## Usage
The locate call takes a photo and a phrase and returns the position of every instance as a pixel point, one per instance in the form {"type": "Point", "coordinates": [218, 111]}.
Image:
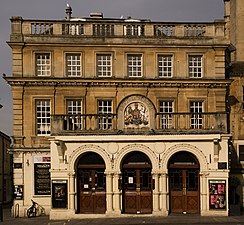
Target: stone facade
{"type": "Point", "coordinates": [235, 20]}
{"type": "Point", "coordinates": [118, 116]}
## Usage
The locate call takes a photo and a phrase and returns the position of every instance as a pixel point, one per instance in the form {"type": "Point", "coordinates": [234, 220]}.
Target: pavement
{"type": "Point", "coordinates": [126, 220]}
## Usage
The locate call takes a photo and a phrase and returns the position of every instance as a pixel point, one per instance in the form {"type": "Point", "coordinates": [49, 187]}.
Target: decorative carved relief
{"type": "Point", "coordinates": [136, 114]}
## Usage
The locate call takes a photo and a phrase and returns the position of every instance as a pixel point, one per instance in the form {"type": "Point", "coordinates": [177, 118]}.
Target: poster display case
{"type": "Point", "coordinates": [59, 194]}
{"type": "Point", "coordinates": [42, 179]}
{"type": "Point", "coordinates": [18, 192]}
{"type": "Point", "coordinates": [217, 194]}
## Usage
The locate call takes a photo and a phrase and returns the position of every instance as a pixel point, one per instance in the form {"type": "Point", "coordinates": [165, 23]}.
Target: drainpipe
{"type": "Point", "coordinates": [2, 194]}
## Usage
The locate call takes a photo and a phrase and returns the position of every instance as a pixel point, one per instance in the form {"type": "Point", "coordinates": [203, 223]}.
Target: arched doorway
{"type": "Point", "coordinates": [91, 184]}
{"type": "Point", "coordinates": [136, 183]}
{"type": "Point", "coordinates": [184, 183]}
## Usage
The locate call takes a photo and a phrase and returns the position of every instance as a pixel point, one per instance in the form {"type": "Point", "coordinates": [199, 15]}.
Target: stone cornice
{"type": "Point", "coordinates": [117, 83]}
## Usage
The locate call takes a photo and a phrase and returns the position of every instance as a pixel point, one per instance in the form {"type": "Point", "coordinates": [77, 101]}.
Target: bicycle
{"type": "Point", "coordinates": [35, 210]}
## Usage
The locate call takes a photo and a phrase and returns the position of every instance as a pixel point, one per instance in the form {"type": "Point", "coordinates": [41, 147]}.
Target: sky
{"type": "Point", "coordinates": [155, 10]}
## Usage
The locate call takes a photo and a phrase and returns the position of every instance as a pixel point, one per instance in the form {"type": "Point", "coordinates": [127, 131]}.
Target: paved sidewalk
{"type": "Point", "coordinates": [127, 220]}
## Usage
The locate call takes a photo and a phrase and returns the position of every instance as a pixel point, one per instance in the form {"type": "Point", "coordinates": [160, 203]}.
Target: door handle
{"type": "Point", "coordinates": [184, 190]}
{"type": "Point", "coordinates": [93, 191]}
{"type": "Point", "coordinates": [138, 190]}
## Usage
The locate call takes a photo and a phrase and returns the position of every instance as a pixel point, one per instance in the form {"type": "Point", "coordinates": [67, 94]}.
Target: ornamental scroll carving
{"type": "Point", "coordinates": [136, 114]}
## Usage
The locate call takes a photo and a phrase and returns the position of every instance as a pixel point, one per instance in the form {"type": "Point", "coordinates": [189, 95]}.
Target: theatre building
{"type": "Point", "coordinates": [119, 116]}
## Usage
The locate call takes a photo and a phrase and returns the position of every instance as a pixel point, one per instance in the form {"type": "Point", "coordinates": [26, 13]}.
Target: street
{"type": "Point", "coordinates": [127, 220]}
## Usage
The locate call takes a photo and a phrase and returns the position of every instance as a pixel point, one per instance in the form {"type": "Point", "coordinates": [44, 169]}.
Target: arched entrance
{"type": "Point", "coordinates": [91, 184]}
{"type": "Point", "coordinates": [136, 183]}
{"type": "Point", "coordinates": [184, 183]}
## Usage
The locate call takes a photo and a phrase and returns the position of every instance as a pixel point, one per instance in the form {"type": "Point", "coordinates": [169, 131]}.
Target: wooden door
{"type": "Point", "coordinates": [92, 190]}
{"type": "Point", "coordinates": [184, 190]}
{"type": "Point", "coordinates": [137, 190]}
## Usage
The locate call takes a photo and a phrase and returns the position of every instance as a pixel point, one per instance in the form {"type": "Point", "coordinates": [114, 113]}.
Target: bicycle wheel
{"type": "Point", "coordinates": [30, 213]}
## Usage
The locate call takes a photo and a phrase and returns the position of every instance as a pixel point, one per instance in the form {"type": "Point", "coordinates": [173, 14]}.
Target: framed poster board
{"type": "Point", "coordinates": [217, 194]}
{"type": "Point", "coordinates": [18, 192]}
{"type": "Point", "coordinates": [59, 194]}
{"type": "Point", "coordinates": [42, 178]}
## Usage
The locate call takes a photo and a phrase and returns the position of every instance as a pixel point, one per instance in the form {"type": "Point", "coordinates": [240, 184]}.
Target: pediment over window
{"type": "Point", "coordinates": [136, 113]}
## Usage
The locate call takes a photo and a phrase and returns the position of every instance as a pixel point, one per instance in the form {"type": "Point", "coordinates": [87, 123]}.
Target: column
{"type": "Point", "coordinates": [109, 192]}
{"type": "Point", "coordinates": [163, 182]}
{"type": "Point", "coordinates": [72, 191]}
{"type": "Point", "coordinates": [117, 193]}
{"type": "Point", "coordinates": [156, 193]}
{"type": "Point", "coordinates": [204, 195]}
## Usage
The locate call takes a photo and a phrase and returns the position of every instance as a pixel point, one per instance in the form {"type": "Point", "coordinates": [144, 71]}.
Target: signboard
{"type": "Point", "coordinates": [59, 194]}
{"type": "Point", "coordinates": [17, 165]}
{"type": "Point", "coordinates": [217, 194]}
{"type": "Point", "coordinates": [42, 177]}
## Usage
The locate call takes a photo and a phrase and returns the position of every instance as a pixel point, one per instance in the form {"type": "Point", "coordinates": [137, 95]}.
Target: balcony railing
{"type": "Point", "coordinates": [115, 28]}
{"type": "Point", "coordinates": [173, 123]}
{"type": "Point", "coordinates": [41, 28]}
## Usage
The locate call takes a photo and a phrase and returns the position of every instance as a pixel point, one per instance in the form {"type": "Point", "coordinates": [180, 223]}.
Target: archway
{"type": "Point", "coordinates": [137, 183]}
{"type": "Point", "coordinates": [184, 184]}
{"type": "Point", "coordinates": [91, 184]}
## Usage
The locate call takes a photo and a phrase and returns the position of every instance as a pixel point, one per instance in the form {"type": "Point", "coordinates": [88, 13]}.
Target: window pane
{"type": "Point", "coordinates": [134, 63]}
{"type": "Point", "coordinates": [166, 108]}
{"type": "Point", "coordinates": [73, 65]}
{"type": "Point", "coordinates": [241, 152]}
{"type": "Point", "coordinates": [43, 117]}
{"type": "Point", "coordinates": [74, 109]}
{"type": "Point", "coordinates": [196, 108]}
{"type": "Point", "coordinates": [43, 64]}
{"type": "Point", "coordinates": [104, 65]}
{"type": "Point", "coordinates": [195, 66]}
{"type": "Point", "coordinates": [165, 66]}
{"type": "Point", "coordinates": [105, 121]}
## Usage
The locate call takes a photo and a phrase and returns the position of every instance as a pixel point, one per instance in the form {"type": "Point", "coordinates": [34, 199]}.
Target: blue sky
{"type": "Point", "coordinates": [156, 10]}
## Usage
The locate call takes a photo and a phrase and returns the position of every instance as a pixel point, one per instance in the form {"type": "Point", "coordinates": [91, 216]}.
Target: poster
{"type": "Point", "coordinates": [59, 194]}
{"type": "Point", "coordinates": [42, 179]}
{"type": "Point", "coordinates": [18, 192]}
{"type": "Point", "coordinates": [217, 194]}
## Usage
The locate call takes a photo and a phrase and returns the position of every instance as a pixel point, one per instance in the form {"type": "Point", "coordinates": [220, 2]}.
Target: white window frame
{"type": "Point", "coordinates": [165, 65]}
{"type": "Point", "coordinates": [195, 66]}
{"type": "Point", "coordinates": [73, 64]}
{"type": "Point", "coordinates": [74, 107]}
{"type": "Point", "coordinates": [104, 64]}
{"type": "Point", "coordinates": [105, 107]}
{"type": "Point", "coordinates": [135, 65]}
{"type": "Point", "coordinates": [167, 107]}
{"type": "Point", "coordinates": [43, 64]}
{"type": "Point", "coordinates": [196, 120]}
{"type": "Point", "coordinates": [43, 117]}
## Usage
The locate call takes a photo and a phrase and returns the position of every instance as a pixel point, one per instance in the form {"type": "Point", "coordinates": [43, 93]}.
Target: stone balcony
{"type": "Point", "coordinates": [164, 123]}
{"type": "Point", "coordinates": [83, 28]}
